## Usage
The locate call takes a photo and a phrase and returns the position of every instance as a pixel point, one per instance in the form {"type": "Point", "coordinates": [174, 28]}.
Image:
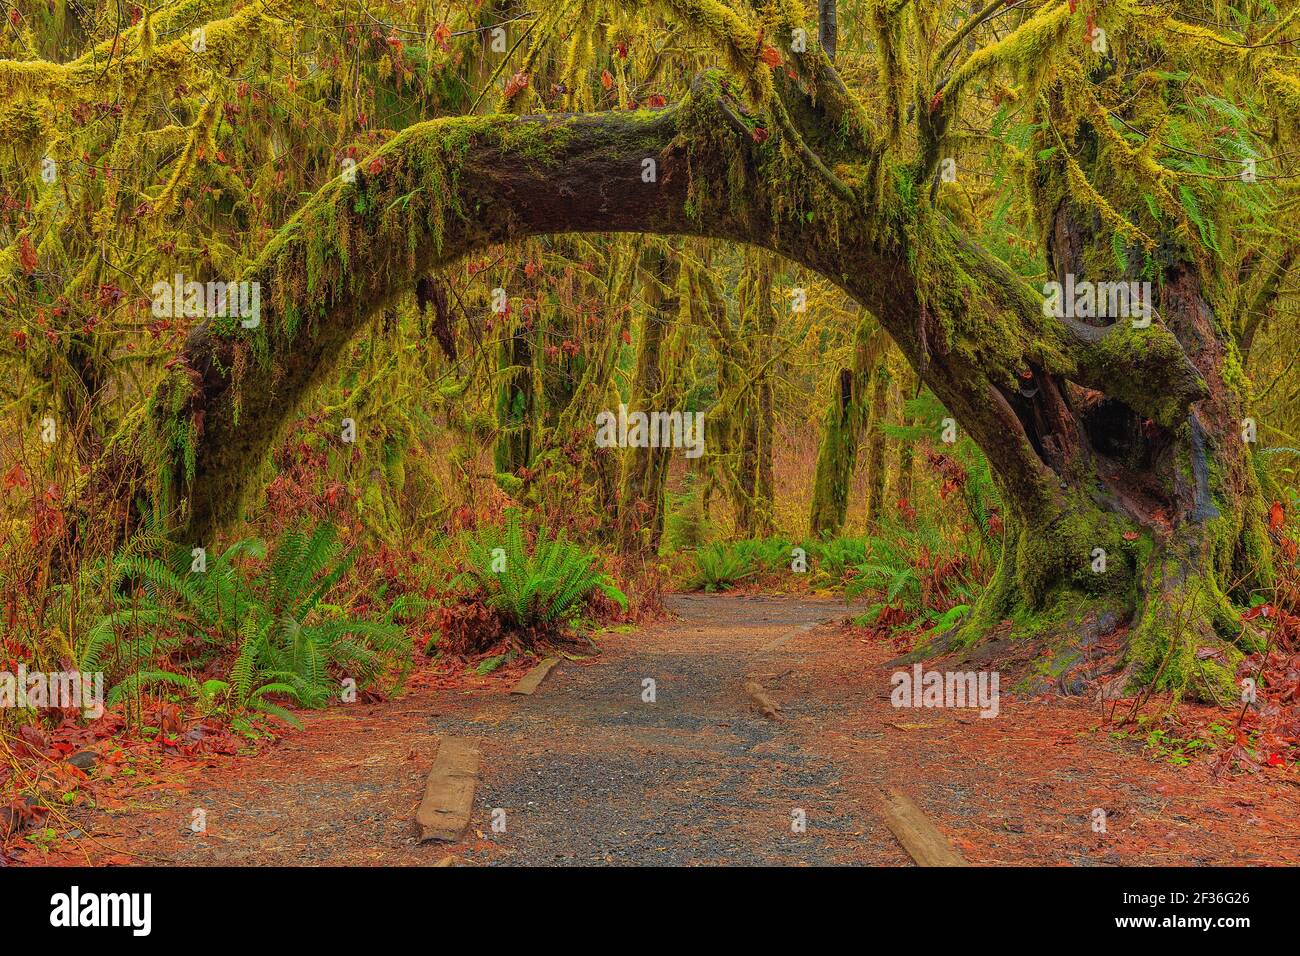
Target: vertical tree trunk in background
{"type": "Point", "coordinates": [558, 371]}
{"type": "Point", "coordinates": [516, 407]}
{"type": "Point", "coordinates": [747, 473]}
{"type": "Point", "coordinates": [875, 464]}
{"type": "Point", "coordinates": [569, 443]}
{"type": "Point", "coordinates": [434, 306]}
{"type": "Point", "coordinates": [728, 423]}
{"type": "Point", "coordinates": [757, 328]}
{"type": "Point", "coordinates": [746, 404]}
{"type": "Point", "coordinates": [77, 384]}
{"type": "Point", "coordinates": [828, 26]}
{"type": "Point", "coordinates": [845, 419]}
{"type": "Point", "coordinates": [764, 492]}
{"type": "Point", "coordinates": [645, 470]}
{"type": "Point", "coordinates": [907, 391]}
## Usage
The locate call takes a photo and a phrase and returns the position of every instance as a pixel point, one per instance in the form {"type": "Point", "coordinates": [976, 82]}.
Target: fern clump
{"type": "Point", "coordinates": [838, 557]}
{"type": "Point", "coordinates": [286, 640]}
{"type": "Point", "coordinates": [918, 574]}
{"type": "Point", "coordinates": [532, 594]}
{"type": "Point", "coordinates": [720, 567]}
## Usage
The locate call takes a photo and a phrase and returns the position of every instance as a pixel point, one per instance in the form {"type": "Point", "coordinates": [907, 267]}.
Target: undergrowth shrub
{"type": "Point", "coordinates": [510, 591]}
{"type": "Point", "coordinates": [838, 558]}
{"type": "Point", "coordinates": [686, 525]}
{"type": "Point", "coordinates": [719, 567]}
{"type": "Point", "coordinates": [771, 562]}
{"type": "Point", "coordinates": [920, 574]}
{"type": "Point", "coordinates": [173, 625]}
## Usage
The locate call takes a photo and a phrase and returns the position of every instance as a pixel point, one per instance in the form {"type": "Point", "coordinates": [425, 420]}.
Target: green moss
{"type": "Point", "coordinates": [1166, 649]}
{"type": "Point", "coordinates": [1146, 369]}
{"type": "Point", "coordinates": [1062, 555]}
{"type": "Point", "coordinates": [1234, 375]}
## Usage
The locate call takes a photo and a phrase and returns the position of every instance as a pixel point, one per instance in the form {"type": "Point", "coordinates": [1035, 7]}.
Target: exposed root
{"type": "Point", "coordinates": [1172, 630]}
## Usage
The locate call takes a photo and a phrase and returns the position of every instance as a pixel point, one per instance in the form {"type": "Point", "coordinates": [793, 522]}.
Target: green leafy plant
{"type": "Point", "coordinates": [920, 572]}
{"type": "Point", "coordinates": [719, 567]}
{"type": "Point", "coordinates": [837, 557]}
{"type": "Point", "coordinates": [287, 640]}
{"type": "Point", "coordinates": [544, 588]}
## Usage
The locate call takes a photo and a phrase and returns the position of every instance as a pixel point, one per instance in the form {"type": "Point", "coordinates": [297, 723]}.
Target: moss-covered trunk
{"type": "Point", "coordinates": [875, 454]}
{"type": "Point", "coordinates": [516, 406]}
{"type": "Point", "coordinates": [1157, 518]}
{"type": "Point", "coordinates": [746, 377]}
{"type": "Point", "coordinates": [765, 403]}
{"type": "Point", "coordinates": [846, 417]}
{"type": "Point", "coordinates": [906, 449]}
{"type": "Point", "coordinates": [645, 470]}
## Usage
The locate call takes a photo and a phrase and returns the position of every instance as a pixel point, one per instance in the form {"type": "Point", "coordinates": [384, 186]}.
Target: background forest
{"type": "Point", "coordinates": [144, 141]}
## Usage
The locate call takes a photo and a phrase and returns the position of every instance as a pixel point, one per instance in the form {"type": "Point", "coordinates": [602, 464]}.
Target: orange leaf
{"type": "Point", "coordinates": [517, 83]}
{"type": "Point", "coordinates": [15, 477]}
{"type": "Point", "coordinates": [1276, 516]}
{"type": "Point", "coordinates": [27, 254]}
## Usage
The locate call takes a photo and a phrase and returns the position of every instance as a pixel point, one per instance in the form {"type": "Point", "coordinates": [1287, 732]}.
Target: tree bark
{"type": "Point", "coordinates": [876, 477]}
{"type": "Point", "coordinates": [828, 26]}
{"type": "Point", "coordinates": [645, 470]}
{"type": "Point", "coordinates": [846, 418]}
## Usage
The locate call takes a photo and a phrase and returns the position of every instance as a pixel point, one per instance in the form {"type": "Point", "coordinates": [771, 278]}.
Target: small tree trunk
{"type": "Point", "coordinates": [515, 402]}
{"type": "Point", "coordinates": [827, 26]}
{"type": "Point", "coordinates": [757, 327]}
{"type": "Point", "coordinates": [903, 490]}
{"type": "Point", "coordinates": [764, 406]}
{"type": "Point", "coordinates": [763, 489]}
{"type": "Point", "coordinates": [876, 477]}
{"type": "Point", "coordinates": [645, 470]}
{"type": "Point", "coordinates": [845, 419]}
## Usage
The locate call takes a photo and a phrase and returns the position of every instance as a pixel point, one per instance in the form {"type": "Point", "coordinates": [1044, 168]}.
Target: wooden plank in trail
{"type": "Point", "coordinates": [766, 706]}
{"type": "Point", "coordinates": [778, 643]}
{"type": "Point", "coordinates": [449, 794]}
{"type": "Point", "coordinates": [920, 838]}
{"type": "Point", "coordinates": [530, 681]}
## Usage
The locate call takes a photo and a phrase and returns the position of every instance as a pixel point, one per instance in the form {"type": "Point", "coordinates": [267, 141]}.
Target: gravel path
{"type": "Point", "coordinates": [589, 770]}
{"type": "Point", "coordinates": [696, 776]}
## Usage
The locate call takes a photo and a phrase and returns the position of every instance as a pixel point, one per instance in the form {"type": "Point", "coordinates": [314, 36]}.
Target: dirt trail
{"type": "Point", "coordinates": [587, 772]}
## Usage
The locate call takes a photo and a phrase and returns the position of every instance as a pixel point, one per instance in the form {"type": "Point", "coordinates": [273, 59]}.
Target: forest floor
{"type": "Point", "coordinates": [587, 772]}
